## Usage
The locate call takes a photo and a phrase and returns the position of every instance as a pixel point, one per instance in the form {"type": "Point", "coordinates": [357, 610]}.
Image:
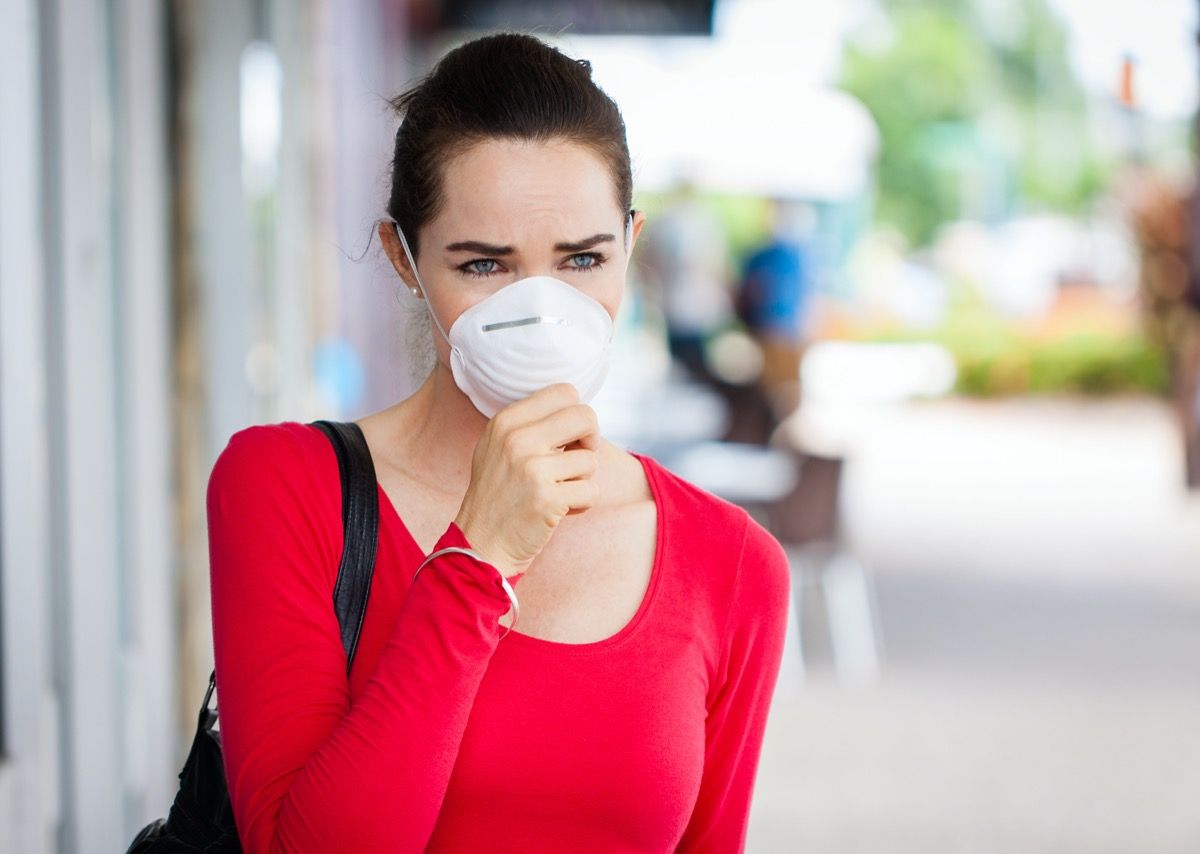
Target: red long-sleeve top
{"type": "Point", "coordinates": [447, 738]}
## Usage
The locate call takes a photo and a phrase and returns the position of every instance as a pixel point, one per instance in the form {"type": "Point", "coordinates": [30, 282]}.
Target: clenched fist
{"type": "Point", "coordinates": [533, 465]}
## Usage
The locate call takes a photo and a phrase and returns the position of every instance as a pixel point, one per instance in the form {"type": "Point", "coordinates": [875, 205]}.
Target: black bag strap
{"type": "Point", "coordinates": [360, 527]}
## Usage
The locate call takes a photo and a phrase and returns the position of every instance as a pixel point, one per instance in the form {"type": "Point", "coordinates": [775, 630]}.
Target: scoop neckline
{"type": "Point", "coordinates": [639, 617]}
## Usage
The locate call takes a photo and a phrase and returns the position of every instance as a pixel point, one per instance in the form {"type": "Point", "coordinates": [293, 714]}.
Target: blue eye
{"type": "Point", "coordinates": [596, 259]}
{"type": "Point", "coordinates": [482, 268]}
{"type": "Point", "coordinates": [470, 269]}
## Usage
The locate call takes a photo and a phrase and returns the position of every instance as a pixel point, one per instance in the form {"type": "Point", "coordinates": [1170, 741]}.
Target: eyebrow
{"type": "Point", "coordinates": [490, 249]}
{"type": "Point", "coordinates": [586, 243]}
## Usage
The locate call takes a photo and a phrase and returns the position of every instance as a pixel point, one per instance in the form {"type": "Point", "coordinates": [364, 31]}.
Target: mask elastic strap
{"type": "Point", "coordinates": [413, 265]}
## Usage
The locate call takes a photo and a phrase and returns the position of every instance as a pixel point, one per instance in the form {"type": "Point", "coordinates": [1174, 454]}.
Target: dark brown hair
{"type": "Point", "coordinates": [506, 86]}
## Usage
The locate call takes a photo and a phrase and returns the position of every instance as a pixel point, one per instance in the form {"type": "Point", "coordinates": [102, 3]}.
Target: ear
{"type": "Point", "coordinates": [395, 252]}
{"type": "Point", "coordinates": [639, 219]}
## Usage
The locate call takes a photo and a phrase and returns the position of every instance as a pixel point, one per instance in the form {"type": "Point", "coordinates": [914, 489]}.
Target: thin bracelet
{"type": "Point", "coordinates": [512, 596]}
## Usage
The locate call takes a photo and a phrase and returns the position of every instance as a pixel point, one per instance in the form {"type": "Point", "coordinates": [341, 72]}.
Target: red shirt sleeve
{"type": "Point", "coordinates": [308, 770]}
{"type": "Point", "coordinates": [752, 652]}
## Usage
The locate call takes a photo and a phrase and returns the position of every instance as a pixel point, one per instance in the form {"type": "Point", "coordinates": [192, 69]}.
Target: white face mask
{"type": "Point", "coordinates": [527, 335]}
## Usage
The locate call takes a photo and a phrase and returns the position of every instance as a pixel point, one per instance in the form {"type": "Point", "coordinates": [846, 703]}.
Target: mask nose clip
{"type": "Point", "coordinates": [524, 321]}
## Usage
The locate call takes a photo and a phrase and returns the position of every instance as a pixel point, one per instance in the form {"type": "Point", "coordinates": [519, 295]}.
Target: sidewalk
{"type": "Point", "coordinates": [1038, 576]}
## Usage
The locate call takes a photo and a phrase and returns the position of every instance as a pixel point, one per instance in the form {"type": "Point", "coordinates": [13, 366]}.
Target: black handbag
{"type": "Point", "coordinates": [201, 818]}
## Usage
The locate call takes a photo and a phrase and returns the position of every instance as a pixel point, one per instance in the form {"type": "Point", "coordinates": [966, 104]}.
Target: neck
{"type": "Point", "coordinates": [440, 427]}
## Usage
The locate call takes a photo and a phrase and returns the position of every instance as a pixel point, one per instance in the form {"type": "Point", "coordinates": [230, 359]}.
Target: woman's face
{"type": "Point", "coordinates": [511, 207]}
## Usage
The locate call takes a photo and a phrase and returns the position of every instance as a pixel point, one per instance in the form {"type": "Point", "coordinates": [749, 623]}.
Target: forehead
{"type": "Point", "coordinates": [501, 182]}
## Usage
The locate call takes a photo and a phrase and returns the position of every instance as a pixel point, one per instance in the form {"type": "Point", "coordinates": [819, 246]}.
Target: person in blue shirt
{"type": "Point", "coordinates": [772, 302]}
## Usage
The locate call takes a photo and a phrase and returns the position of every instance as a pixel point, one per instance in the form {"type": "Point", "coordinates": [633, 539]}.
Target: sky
{"type": "Point", "coordinates": [1159, 34]}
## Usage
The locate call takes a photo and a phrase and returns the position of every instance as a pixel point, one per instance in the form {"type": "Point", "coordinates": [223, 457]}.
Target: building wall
{"type": "Point", "coordinates": [186, 195]}
{"type": "Point", "coordinates": [86, 592]}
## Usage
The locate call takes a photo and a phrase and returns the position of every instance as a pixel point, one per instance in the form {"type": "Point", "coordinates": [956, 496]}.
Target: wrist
{"type": "Point", "coordinates": [479, 543]}
{"type": "Point", "coordinates": [506, 582]}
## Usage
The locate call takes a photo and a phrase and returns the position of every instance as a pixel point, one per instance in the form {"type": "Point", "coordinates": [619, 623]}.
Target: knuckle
{"type": "Point", "coordinates": [583, 413]}
{"type": "Point", "coordinates": [500, 421]}
{"type": "Point", "coordinates": [535, 469]}
{"type": "Point", "coordinates": [586, 460]}
{"type": "Point", "coordinates": [515, 442]}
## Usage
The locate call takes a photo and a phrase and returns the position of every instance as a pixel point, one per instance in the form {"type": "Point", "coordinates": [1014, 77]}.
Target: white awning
{"type": "Point", "coordinates": [734, 121]}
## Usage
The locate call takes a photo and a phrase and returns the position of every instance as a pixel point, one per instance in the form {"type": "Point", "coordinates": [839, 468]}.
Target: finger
{"type": "Point", "coordinates": [576, 423]}
{"type": "Point", "coordinates": [569, 465]}
{"type": "Point", "coordinates": [591, 441]}
{"type": "Point", "coordinates": [578, 494]}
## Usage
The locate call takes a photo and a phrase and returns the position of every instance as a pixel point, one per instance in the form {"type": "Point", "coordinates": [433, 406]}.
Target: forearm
{"type": "Point", "coordinates": [378, 780]}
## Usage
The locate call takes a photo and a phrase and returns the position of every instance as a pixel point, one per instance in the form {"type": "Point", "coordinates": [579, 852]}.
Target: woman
{"type": "Point", "coordinates": [627, 711]}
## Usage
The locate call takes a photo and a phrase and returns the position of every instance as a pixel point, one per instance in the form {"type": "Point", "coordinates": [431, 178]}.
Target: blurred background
{"type": "Point", "coordinates": [919, 287]}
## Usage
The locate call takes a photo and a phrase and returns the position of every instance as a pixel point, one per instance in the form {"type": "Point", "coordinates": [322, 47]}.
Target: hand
{"type": "Point", "coordinates": [533, 465]}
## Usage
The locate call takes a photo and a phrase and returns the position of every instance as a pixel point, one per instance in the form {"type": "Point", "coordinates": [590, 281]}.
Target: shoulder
{"type": "Point", "coordinates": [274, 534]}
{"type": "Point", "coordinates": [746, 566]}
{"type": "Point", "coordinates": [764, 573]}
{"type": "Point", "coordinates": [273, 442]}
{"type": "Point", "coordinates": [271, 457]}
{"type": "Point", "coordinates": [275, 437]}
{"type": "Point", "coordinates": [276, 487]}
{"type": "Point", "coordinates": [713, 530]}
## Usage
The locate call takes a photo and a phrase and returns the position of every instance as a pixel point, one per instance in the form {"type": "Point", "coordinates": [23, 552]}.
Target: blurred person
{"type": "Point", "coordinates": [627, 713]}
{"type": "Point", "coordinates": [686, 257]}
{"type": "Point", "coordinates": [772, 301]}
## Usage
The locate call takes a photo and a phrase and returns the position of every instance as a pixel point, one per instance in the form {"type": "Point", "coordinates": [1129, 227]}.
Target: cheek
{"type": "Point", "coordinates": [613, 305]}
{"type": "Point", "coordinates": [611, 295]}
{"type": "Point", "coordinates": [449, 303]}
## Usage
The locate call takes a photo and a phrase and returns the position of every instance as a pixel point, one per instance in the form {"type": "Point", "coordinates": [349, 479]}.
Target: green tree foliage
{"type": "Point", "coordinates": [978, 111]}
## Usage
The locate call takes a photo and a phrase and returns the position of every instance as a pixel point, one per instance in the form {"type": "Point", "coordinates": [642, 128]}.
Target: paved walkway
{"type": "Point", "coordinates": [1038, 577]}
